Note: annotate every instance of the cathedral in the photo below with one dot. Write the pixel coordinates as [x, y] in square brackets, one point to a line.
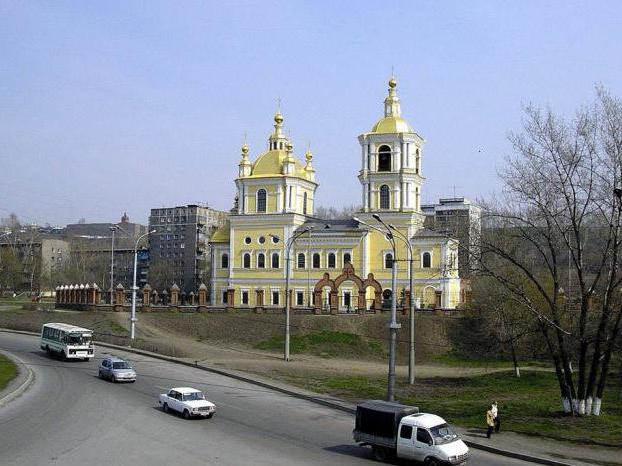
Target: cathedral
[334, 265]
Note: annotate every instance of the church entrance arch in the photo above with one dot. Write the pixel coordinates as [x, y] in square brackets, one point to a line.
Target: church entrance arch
[360, 302]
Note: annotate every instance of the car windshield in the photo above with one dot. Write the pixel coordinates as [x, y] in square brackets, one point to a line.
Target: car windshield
[78, 339]
[120, 365]
[193, 396]
[443, 433]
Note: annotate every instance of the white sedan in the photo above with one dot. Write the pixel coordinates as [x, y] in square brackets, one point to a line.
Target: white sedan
[190, 402]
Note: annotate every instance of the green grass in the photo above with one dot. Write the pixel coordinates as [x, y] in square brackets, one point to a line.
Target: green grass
[326, 344]
[529, 404]
[118, 329]
[8, 371]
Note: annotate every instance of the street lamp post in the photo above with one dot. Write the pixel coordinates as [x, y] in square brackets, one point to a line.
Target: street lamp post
[289, 244]
[113, 228]
[411, 318]
[393, 325]
[134, 287]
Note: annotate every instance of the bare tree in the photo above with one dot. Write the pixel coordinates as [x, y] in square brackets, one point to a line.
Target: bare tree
[556, 225]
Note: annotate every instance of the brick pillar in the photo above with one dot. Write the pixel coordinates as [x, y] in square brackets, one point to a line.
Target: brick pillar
[259, 301]
[146, 307]
[334, 304]
[317, 302]
[154, 297]
[174, 295]
[87, 294]
[231, 299]
[97, 294]
[119, 298]
[202, 295]
[191, 299]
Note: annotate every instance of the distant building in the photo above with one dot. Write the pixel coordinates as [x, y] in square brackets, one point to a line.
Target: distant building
[91, 243]
[459, 218]
[29, 260]
[178, 248]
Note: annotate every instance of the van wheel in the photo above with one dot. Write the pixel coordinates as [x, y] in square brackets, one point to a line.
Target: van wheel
[186, 414]
[380, 453]
[431, 462]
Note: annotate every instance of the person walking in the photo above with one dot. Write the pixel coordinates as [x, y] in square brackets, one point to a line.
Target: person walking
[490, 422]
[495, 414]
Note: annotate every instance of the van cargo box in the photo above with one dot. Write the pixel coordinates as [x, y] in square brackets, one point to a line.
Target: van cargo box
[381, 418]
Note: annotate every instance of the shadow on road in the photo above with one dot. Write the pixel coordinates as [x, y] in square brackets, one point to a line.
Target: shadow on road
[364, 452]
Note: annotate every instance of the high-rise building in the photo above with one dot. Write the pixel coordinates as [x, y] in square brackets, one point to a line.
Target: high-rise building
[178, 248]
[461, 219]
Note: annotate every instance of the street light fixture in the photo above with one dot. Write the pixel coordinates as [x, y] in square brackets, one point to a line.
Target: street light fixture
[393, 325]
[113, 228]
[134, 287]
[411, 313]
[290, 242]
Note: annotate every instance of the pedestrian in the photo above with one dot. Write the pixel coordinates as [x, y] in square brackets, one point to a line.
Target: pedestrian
[490, 422]
[495, 413]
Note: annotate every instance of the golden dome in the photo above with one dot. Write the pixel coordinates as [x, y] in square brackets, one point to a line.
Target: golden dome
[290, 147]
[278, 118]
[245, 149]
[392, 124]
[392, 83]
[309, 155]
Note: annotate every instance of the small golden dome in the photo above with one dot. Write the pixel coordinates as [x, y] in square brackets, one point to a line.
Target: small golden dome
[392, 83]
[309, 155]
[290, 147]
[245, 149]
[278, 118]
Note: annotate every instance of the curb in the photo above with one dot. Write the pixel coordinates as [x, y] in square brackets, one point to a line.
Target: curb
[328, 402]
[22, 387]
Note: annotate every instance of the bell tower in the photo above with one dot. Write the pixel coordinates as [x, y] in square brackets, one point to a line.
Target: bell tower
[391, 153]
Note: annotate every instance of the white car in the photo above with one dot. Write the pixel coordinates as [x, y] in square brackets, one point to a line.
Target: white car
[190, 402]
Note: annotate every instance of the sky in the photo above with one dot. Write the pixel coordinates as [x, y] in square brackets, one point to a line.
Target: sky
[123, 106]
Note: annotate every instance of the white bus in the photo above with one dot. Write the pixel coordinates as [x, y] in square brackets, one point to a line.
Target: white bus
[67, 341]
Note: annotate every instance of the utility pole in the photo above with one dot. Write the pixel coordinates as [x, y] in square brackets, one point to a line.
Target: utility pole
[113, 228]
[393, 325]
[133, 318]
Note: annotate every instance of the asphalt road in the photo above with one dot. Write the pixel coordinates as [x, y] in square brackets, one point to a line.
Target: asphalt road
[69, 417]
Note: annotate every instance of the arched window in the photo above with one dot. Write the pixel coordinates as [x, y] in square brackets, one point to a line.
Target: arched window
[301, 261]
[384, 159]
[427, 260]
[275, 260]
[261, 260]
[261, 200]
[347, 258]
[224, 261]
[246, 261]
[388, 261]
[316, 261]
[304, 203]
[385, 197]
[331, 261]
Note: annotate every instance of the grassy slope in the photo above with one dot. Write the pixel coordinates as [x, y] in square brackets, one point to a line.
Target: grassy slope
[8, 371]
[528, 404]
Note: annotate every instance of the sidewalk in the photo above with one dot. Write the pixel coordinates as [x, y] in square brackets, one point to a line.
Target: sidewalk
[547, 449]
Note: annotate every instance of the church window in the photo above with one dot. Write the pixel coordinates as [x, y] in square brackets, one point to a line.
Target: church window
[347, 258]
[261, 261]
[275, 298]
[261, 239]
[224, 296]
[388, 261]
[246, 261]
[245, 297]
[261, 200]
[385, 197]
[331, 261]
[384, 159]
[275, 260]
[316, 261]
[300, 298]
[427, 260]
[247, 240]
[304, 204]
[224, 261]
[301, 261]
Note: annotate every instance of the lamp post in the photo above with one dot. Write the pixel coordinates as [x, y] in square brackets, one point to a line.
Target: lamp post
[393, 325]
[113, 228]
[411, 313]
[289, 244]
[134, 287]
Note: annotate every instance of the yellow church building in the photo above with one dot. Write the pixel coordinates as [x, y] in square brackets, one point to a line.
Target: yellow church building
[334, 265]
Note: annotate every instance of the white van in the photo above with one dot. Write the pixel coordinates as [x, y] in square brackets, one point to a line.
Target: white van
[67, 341]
